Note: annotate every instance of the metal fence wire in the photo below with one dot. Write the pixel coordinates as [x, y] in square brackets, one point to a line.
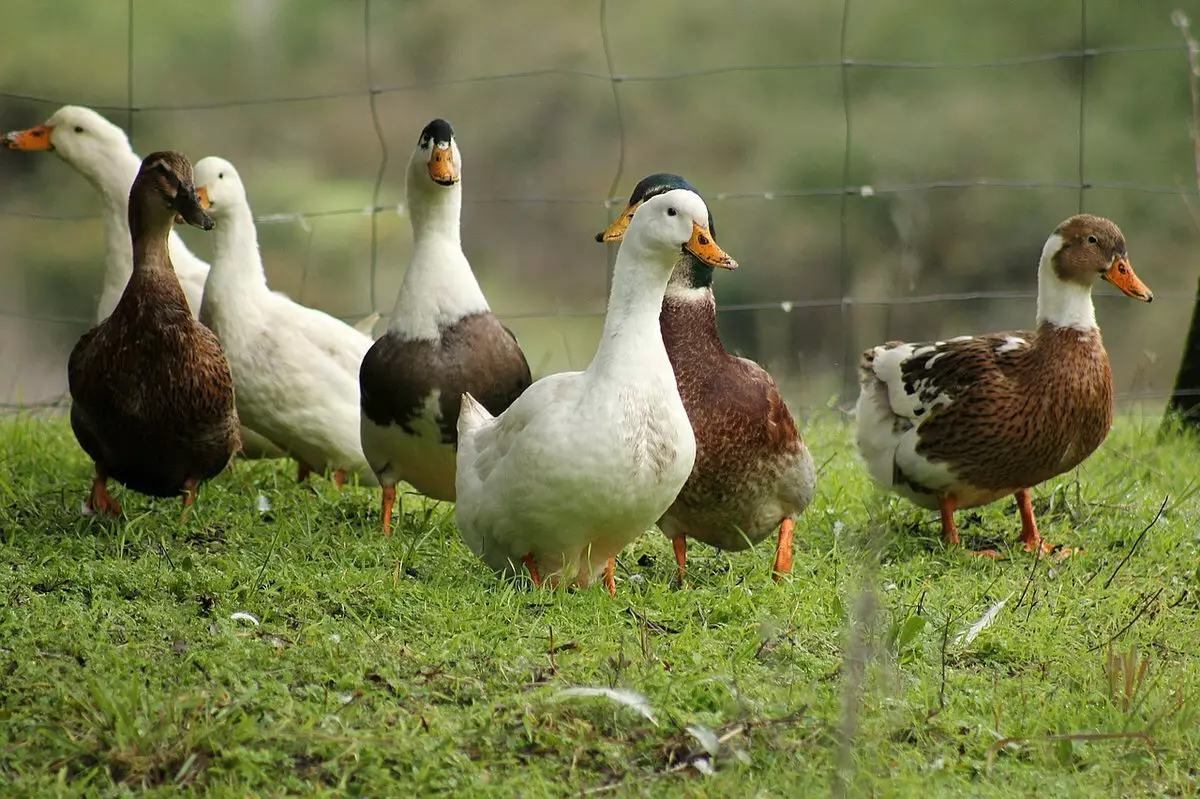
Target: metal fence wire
[846, 305]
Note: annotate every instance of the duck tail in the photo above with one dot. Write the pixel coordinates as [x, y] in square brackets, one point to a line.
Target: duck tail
[471, 415]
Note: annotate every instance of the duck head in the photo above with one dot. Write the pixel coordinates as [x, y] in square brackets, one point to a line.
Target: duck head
[1087, 247]
[85, 140]
[676, 219]
[165, 185]
[219, 188]
[691, 272]
[436, 162]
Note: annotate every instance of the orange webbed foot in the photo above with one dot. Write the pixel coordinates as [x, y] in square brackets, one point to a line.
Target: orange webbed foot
[100, 501]
[389, 499]
[679, 544]
[610, 577]
[531, 565]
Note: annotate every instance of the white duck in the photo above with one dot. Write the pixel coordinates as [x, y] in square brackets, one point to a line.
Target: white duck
[584, 462]
[100, 151]
[295, 368]
[442, 340]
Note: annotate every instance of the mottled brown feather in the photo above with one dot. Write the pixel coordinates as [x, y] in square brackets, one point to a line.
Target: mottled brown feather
[751, 461]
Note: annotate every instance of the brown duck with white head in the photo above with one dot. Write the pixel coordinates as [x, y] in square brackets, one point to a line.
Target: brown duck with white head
[964, 422]
[752, 472]
[152, 394]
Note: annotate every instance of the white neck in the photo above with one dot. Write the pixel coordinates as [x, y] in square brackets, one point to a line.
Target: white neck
[1060, 303]
[113, 178]
[632, 338]
[439, 287]
[236, 276]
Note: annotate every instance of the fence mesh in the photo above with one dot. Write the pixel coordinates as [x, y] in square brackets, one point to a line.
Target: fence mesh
[889, 250]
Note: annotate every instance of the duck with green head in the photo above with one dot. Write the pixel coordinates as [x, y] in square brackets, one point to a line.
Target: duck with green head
[752, 472]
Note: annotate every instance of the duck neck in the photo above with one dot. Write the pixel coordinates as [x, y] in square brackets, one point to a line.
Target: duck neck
[439, 287]
[689, 310]
[112, 178]
[631, 337]
[1062, 303]
[149, 229]
[237, 272]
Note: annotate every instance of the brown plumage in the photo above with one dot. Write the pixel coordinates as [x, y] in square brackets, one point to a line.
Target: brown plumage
[152, 394]
[964, 422]
[752, 472]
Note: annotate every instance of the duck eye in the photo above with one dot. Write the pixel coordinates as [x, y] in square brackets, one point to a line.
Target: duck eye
[1092, 240]
[220, 176]
[79, 129]
[671, 212]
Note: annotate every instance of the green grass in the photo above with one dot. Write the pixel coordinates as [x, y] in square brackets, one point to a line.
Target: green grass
[385, 667]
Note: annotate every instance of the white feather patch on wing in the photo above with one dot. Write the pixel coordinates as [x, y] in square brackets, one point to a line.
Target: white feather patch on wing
[889, 367]
[1011, 344]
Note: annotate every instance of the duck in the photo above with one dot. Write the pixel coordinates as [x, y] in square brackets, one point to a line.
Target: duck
[971, 420]
[753, 473]
[100, 151]
[585, 462]
[441, 340]
[295, 367]
[152, 397]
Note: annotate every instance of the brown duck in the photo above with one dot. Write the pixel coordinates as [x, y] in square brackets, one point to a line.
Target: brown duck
[752, 473]
[152, 394]
[964, 422]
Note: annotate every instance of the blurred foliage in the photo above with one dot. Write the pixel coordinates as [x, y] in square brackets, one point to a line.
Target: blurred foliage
[541, 150]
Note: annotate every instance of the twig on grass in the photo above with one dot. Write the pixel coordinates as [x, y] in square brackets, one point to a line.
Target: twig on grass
[1141, 612]
[1137, 541]
[995, 748]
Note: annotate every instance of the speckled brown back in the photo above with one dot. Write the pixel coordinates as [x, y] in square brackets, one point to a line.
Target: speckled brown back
[1018, 417]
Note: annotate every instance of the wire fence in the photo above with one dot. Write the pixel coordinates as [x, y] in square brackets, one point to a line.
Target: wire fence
[847, 64]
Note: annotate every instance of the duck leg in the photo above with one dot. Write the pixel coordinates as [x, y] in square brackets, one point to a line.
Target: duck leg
[389, 499]
[303, 470]
[946, 505]
[1031, 540]
[100, 501]
[339, 477]
[679, 544]
[783, 552]
[610, 577]
[189, 497]
[531, 564]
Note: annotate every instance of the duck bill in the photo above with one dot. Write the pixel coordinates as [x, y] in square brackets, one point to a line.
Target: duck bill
[702, 246]
[202, 197]
[1121, 275]
[442, 169]
[189, 210]
[616, 230]
[32, 139]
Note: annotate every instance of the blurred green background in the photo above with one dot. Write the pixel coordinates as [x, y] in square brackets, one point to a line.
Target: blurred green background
[711, 91]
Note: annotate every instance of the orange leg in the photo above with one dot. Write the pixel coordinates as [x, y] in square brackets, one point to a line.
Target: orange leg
[531, 564]
[679, 544]
[949, 530]
[339, 477]
[303, 470]
[610, 577]
[389, 499]
[100, 500]
[189, 497]
[1030, 538]
[783, 552]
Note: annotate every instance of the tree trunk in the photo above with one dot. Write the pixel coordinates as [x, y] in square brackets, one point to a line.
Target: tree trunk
[1185, 398]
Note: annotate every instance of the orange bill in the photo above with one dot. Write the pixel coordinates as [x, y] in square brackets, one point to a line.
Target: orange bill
[442, 168]
[702, 246]
[202, 196]
[1121, 275]
[33, 139]
[616, 230]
